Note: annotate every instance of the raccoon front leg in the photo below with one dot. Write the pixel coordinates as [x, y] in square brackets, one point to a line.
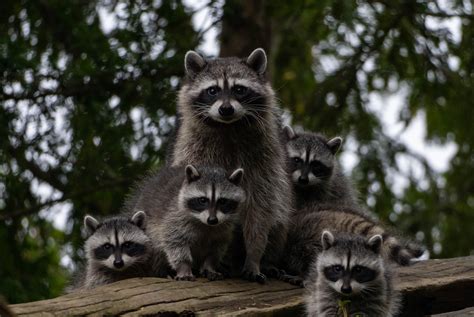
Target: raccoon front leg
[213, 260]
[208, 269]
[255, 233]
[181, 261]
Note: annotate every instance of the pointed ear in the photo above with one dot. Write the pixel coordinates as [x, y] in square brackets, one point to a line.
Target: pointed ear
[192, 174]
[290, 134]
[236, 176]
[257, 60]
[91, 223]
[334, 144]
[139, 219]
[327, 239]
[375, 243]
[193, 63]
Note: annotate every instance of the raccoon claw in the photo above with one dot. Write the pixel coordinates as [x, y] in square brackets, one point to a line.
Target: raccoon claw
[212, 275]
[293, 279]
[185, 278]
[254, 277]
[273, 272]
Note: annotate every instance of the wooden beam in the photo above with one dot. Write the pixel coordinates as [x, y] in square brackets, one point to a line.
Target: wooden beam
[429, 287]
[468, 312]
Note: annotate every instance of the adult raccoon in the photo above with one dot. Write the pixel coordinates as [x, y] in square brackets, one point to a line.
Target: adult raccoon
[229, 118]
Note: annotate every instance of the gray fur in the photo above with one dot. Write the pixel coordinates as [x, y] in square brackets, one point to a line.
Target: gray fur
[181, 235]
[326, 185]
[373, 296]
[248, 138]
[304, 241]
[118, 233]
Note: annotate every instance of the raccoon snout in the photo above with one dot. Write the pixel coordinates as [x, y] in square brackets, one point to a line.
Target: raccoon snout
[303, 180]
[118, 263]
[212, 221]
[226, 110]
[346, 289]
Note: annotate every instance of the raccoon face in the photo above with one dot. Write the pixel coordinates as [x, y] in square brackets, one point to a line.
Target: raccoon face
[226, 90]
[211, 196]
[351, 265]
[311, 157]
[117, 243]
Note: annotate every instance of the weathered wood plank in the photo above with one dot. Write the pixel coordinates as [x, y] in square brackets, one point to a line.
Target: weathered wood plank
[438, 286]
[429, 287]
[468, 312]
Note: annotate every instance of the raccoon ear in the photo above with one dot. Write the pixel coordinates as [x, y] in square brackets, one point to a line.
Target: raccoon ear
[91, 223]
[193, 63]
[334, 144]
[192, 174]
[375, 243]
[236, 176]
[139, 219]
[290, 133]
[327, 239]
[257, 60]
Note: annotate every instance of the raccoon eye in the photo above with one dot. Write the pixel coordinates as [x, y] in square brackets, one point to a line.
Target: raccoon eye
[363, 274]
[320, 169]
[198, 204]
[297, 160]
[239, 90]
[107, 246]
[227, 205]
[213, 91]
[337, 268]
[127, 244]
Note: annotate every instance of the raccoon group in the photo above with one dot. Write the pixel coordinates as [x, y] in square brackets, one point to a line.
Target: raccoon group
[242, 195]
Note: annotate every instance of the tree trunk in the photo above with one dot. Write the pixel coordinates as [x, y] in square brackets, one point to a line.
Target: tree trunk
[245, 27]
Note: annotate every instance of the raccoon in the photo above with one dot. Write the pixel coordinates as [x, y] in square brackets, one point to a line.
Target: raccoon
[304, 239]
[117, 248]
[315, 173]
[229, 118]
[351, 278]
[192, 212]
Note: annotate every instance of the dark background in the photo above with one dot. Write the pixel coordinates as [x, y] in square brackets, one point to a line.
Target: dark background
[85, 110]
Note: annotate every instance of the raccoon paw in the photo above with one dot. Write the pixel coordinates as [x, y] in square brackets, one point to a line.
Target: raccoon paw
[293, 279]
[212, 275]
[415, 249]
[254, 276]
[185, 277]
[273, 271]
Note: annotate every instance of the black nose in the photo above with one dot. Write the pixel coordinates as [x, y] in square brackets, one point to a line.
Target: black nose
[303, 180]
[346, 289]
[212, 221]
[118, 263]
[226, 110]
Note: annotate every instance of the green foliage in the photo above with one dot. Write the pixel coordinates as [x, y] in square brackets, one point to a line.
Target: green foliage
[360, 48]
[85, 110]
[82, 116]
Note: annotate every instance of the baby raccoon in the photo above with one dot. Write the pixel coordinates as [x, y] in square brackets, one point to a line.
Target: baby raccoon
[316, 175]
[229, 117]
[304, 239]
[118, 248]
[350, 278]
[192, 212]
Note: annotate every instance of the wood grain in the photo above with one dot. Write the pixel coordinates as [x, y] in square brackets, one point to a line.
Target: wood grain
[429, 287]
